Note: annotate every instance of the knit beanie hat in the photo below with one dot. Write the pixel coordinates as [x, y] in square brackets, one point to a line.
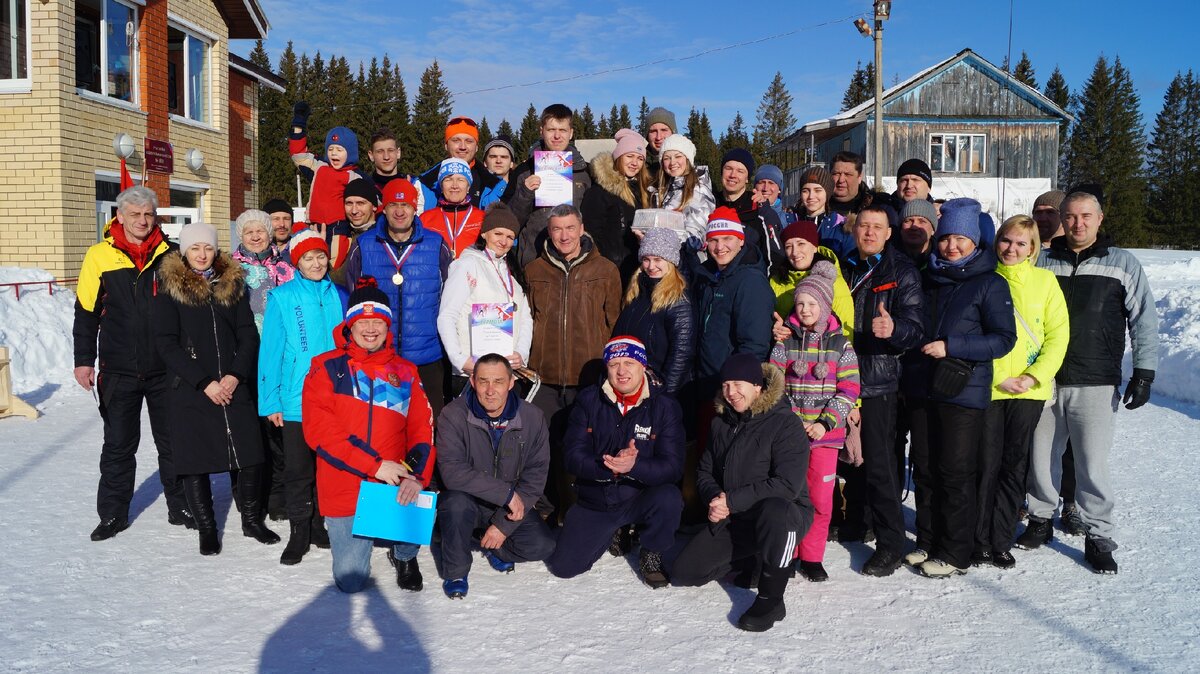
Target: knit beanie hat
[500, 216]
[249, 216]
[628, 141]
[304, 241]
[818, 285]
[368, 301]
[277, 206]
[624, 346]
[501, 141]
[818, 175]
[724, 220]
[455, 166]
[362, 188]
[679, 143]
[459, 125]
[742, 156]
[769, 172]
[742, 367]
[662, 116]
[801, 229]
[960, 216]
[340, 135]
[400, 191]
[915, 167]
[921, 208]
[197, 232]
[1053, 199]
[660, 242]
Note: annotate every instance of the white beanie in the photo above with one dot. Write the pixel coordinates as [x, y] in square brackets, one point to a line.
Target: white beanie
[197, 232]
[679, 143]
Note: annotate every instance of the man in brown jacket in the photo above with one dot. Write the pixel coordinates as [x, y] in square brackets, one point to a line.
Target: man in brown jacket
[575, 295]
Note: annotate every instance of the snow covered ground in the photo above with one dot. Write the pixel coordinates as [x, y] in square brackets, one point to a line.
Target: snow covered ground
[146, 600]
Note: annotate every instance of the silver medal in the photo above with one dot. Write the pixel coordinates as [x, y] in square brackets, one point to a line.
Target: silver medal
[397, 278]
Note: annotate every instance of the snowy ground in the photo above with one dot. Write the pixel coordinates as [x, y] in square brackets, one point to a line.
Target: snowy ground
[146, 600]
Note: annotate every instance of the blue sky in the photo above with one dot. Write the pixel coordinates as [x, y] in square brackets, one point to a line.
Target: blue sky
[483, 44]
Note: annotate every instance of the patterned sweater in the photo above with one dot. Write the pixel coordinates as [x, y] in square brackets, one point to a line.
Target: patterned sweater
[820, 377]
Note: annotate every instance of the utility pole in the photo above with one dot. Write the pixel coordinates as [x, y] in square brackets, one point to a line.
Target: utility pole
[883, 10]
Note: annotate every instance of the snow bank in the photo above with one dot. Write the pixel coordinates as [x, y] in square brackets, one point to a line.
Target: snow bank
[37, 330]
[1175, 280]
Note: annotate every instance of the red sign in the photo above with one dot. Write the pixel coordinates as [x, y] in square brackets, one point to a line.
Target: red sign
[160, 156]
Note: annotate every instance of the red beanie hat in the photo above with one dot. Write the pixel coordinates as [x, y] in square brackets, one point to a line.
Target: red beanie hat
[725, 221]
[802, 229]
[305, 241]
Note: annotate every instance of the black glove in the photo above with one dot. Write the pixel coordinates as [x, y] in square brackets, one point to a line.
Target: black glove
[300, 114]
[1137, 392]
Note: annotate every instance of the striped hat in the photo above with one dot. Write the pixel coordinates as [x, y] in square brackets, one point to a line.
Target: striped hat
[304, 241]
[725, 221]
[368, 301]
[624, 346]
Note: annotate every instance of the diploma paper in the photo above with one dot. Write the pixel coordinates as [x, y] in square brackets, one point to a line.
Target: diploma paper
[558, 178]
[492, 329]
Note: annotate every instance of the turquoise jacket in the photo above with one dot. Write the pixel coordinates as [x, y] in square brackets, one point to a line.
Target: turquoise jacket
[298, 325]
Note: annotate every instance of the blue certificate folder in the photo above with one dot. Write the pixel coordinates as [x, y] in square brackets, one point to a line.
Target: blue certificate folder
[379, 516]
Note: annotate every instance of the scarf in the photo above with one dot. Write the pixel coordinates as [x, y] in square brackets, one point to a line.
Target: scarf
[139, 253]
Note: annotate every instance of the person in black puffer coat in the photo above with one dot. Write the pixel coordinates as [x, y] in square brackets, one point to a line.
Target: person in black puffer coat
[752, 476]
[658, 311]
[618, 191]
[969, 322]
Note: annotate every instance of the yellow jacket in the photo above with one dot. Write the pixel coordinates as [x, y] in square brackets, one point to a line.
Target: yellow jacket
[1038, 299]
[843, 303]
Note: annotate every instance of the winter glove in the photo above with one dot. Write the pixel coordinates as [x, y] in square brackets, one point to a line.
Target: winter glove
[300, 114]
[1137, 392]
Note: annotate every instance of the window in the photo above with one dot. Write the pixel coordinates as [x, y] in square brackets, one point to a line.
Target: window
[105, 54]
[957, 152]
[14, 42]
[187, 75]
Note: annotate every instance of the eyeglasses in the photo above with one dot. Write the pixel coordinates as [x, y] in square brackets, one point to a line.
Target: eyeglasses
[463, 120]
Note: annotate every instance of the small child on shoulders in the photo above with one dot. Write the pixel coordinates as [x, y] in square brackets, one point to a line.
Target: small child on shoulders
[329, 176]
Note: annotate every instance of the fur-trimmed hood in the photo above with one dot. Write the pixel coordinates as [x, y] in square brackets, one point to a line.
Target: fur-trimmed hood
[191, 289]
[606, 175]
[771, 395]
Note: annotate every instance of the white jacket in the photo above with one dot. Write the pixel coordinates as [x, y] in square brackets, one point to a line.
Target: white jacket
[473, 279]
[697, 209]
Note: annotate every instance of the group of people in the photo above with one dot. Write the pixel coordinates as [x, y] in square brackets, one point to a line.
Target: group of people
[725, 398]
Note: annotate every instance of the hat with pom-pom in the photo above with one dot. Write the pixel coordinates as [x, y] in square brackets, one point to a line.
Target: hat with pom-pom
[368, 301]
[819, 286]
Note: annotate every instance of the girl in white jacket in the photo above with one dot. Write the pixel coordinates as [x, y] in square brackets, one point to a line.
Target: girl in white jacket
[685, 187]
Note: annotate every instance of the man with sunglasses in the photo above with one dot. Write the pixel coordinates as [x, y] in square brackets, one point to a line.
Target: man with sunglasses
[462, 142]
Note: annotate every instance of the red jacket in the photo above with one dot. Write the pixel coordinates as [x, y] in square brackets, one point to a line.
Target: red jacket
[325, 203]
[361, 409]
[459, 224]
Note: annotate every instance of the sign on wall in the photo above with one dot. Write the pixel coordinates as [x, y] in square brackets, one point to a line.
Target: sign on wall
[160, 156]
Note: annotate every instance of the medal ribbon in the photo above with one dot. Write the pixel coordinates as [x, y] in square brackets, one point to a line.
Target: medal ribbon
[398, 261]
[454, 233]
[510, 285]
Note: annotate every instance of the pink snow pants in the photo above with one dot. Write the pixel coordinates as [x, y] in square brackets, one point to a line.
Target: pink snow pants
[822, 476]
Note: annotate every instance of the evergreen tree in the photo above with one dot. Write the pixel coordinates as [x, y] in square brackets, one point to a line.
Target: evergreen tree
[699, 131]
[275, 168]
[485, 134]
[604, 128]
[861, 88]
[1024, 71]
[1174, 166]
[624, 122]
[1107, 146]
[643, 113]
[614, 122]
[735, 135]
[393, 112]
[431, 111]
[1056, 90]
[587, 123]
[505, 129]
[530, 131]
[774, 120]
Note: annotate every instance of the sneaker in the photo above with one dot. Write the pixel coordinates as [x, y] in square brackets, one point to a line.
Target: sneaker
[1003, 560]
[981, 558]
[1097, 552]
[814, 572]
[1070, 520]
[882, 563]
[497, 563]
[916, 557]
[181, 518]
[408, 573]
[651, 566]
[456, 588]
[622, 542]
[110, 527]
[936, 568]
[1037, 533]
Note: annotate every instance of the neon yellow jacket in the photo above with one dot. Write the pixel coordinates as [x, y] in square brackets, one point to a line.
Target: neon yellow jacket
[843, 303]
[1039, 300]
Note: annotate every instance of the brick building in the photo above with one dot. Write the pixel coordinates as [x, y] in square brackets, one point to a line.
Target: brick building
[77, 75]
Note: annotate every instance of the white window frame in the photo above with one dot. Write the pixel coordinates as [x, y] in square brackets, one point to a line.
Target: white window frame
[21, 84]
[193, 32]
[958, 159]
[135, 57]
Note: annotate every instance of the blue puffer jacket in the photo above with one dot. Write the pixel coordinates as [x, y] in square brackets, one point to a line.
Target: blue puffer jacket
[299, 322]
[415, 304]
[970, 307]
[596, 428]
[734, 310]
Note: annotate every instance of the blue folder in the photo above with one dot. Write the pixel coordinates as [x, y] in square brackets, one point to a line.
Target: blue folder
[379, 516]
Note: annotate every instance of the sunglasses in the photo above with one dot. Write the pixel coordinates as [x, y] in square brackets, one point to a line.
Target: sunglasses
[462, 120]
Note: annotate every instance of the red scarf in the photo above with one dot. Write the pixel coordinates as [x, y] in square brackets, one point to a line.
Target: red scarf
[140, 253]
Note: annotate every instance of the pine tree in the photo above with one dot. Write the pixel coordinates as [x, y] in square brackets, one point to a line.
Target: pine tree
[1174, 166]
[485, 134]
[643, 113]
[614, 122]
[774, 120]
[393, 112]
[707, 152]
[623, 117]
[431, 111]
[735, 135]
[1024, 71]
[275, 168]
[505, 129]
[1056, 90]
[530, 131]
[1107, 146]
[861, 88]
[604, 128]
[587, 123]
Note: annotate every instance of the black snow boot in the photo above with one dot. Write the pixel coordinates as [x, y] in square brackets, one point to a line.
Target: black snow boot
[1037, 533]
[814, 572]
[197, 489]
[319, 536]
[767, 608]
[1097, 552]
[408, 573]
[651, 566]
[250, 487]
[298, 541]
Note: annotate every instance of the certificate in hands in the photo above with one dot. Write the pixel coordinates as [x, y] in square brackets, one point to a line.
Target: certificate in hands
[558, 178]
[492, 329]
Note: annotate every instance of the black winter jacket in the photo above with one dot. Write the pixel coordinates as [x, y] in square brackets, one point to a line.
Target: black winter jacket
[733, 314]
[763, 228]
[762, 453]
[596, 428]
[608, 217]
[669, 334]
[896, 283]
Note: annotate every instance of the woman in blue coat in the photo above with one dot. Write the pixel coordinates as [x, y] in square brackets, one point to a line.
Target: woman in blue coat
[299, 322]
[947, 383]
